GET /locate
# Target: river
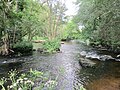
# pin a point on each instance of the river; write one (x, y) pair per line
(105, 75)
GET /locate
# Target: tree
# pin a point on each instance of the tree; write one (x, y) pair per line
(71, 30)
(55, 14)
(33, 18)
(101, 20)
(8, 24)
(28, 18)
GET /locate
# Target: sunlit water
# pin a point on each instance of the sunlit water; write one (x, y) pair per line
(65, 66)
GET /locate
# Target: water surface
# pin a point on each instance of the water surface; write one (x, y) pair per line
(65, 66)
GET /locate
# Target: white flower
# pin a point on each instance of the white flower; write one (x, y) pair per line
(11, 86)
(21, 81)
(17, 81)
(28, 81)
(51, 83)
(25, 78)
(8, 86)
(15, 84)
(32, 83)
(19, 88)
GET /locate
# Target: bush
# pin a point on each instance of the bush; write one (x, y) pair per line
(51, 46)
(23, 46)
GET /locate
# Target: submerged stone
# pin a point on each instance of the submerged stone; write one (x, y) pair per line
(83, 53)
(106, 57)
(86, 62)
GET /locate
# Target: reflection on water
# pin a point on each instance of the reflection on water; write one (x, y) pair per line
(66, 67)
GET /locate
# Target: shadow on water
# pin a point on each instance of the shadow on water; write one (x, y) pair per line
(66, 67)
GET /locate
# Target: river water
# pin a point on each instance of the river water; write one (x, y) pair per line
(105, 75)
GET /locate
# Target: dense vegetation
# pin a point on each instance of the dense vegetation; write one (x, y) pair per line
(27, 81)
(21, 20)
(101, 22)
(24, 22)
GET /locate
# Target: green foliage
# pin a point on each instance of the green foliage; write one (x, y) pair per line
(32, 19)
(2, 81)
(23, 46)
(71, 31)
(9, 25)
(29, 18)
(100, 19)
(82, 88)
(52, 46)
(27, 81)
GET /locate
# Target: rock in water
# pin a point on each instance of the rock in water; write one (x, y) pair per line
(86, 62)
(4, 62)
(118, 56)
(83, 53)
(106, 57)
(92, 55)
(41, 50)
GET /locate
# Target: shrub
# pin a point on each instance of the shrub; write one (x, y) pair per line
(51, 46)
(23, 46)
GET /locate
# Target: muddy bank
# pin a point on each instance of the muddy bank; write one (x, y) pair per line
(105, 83)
